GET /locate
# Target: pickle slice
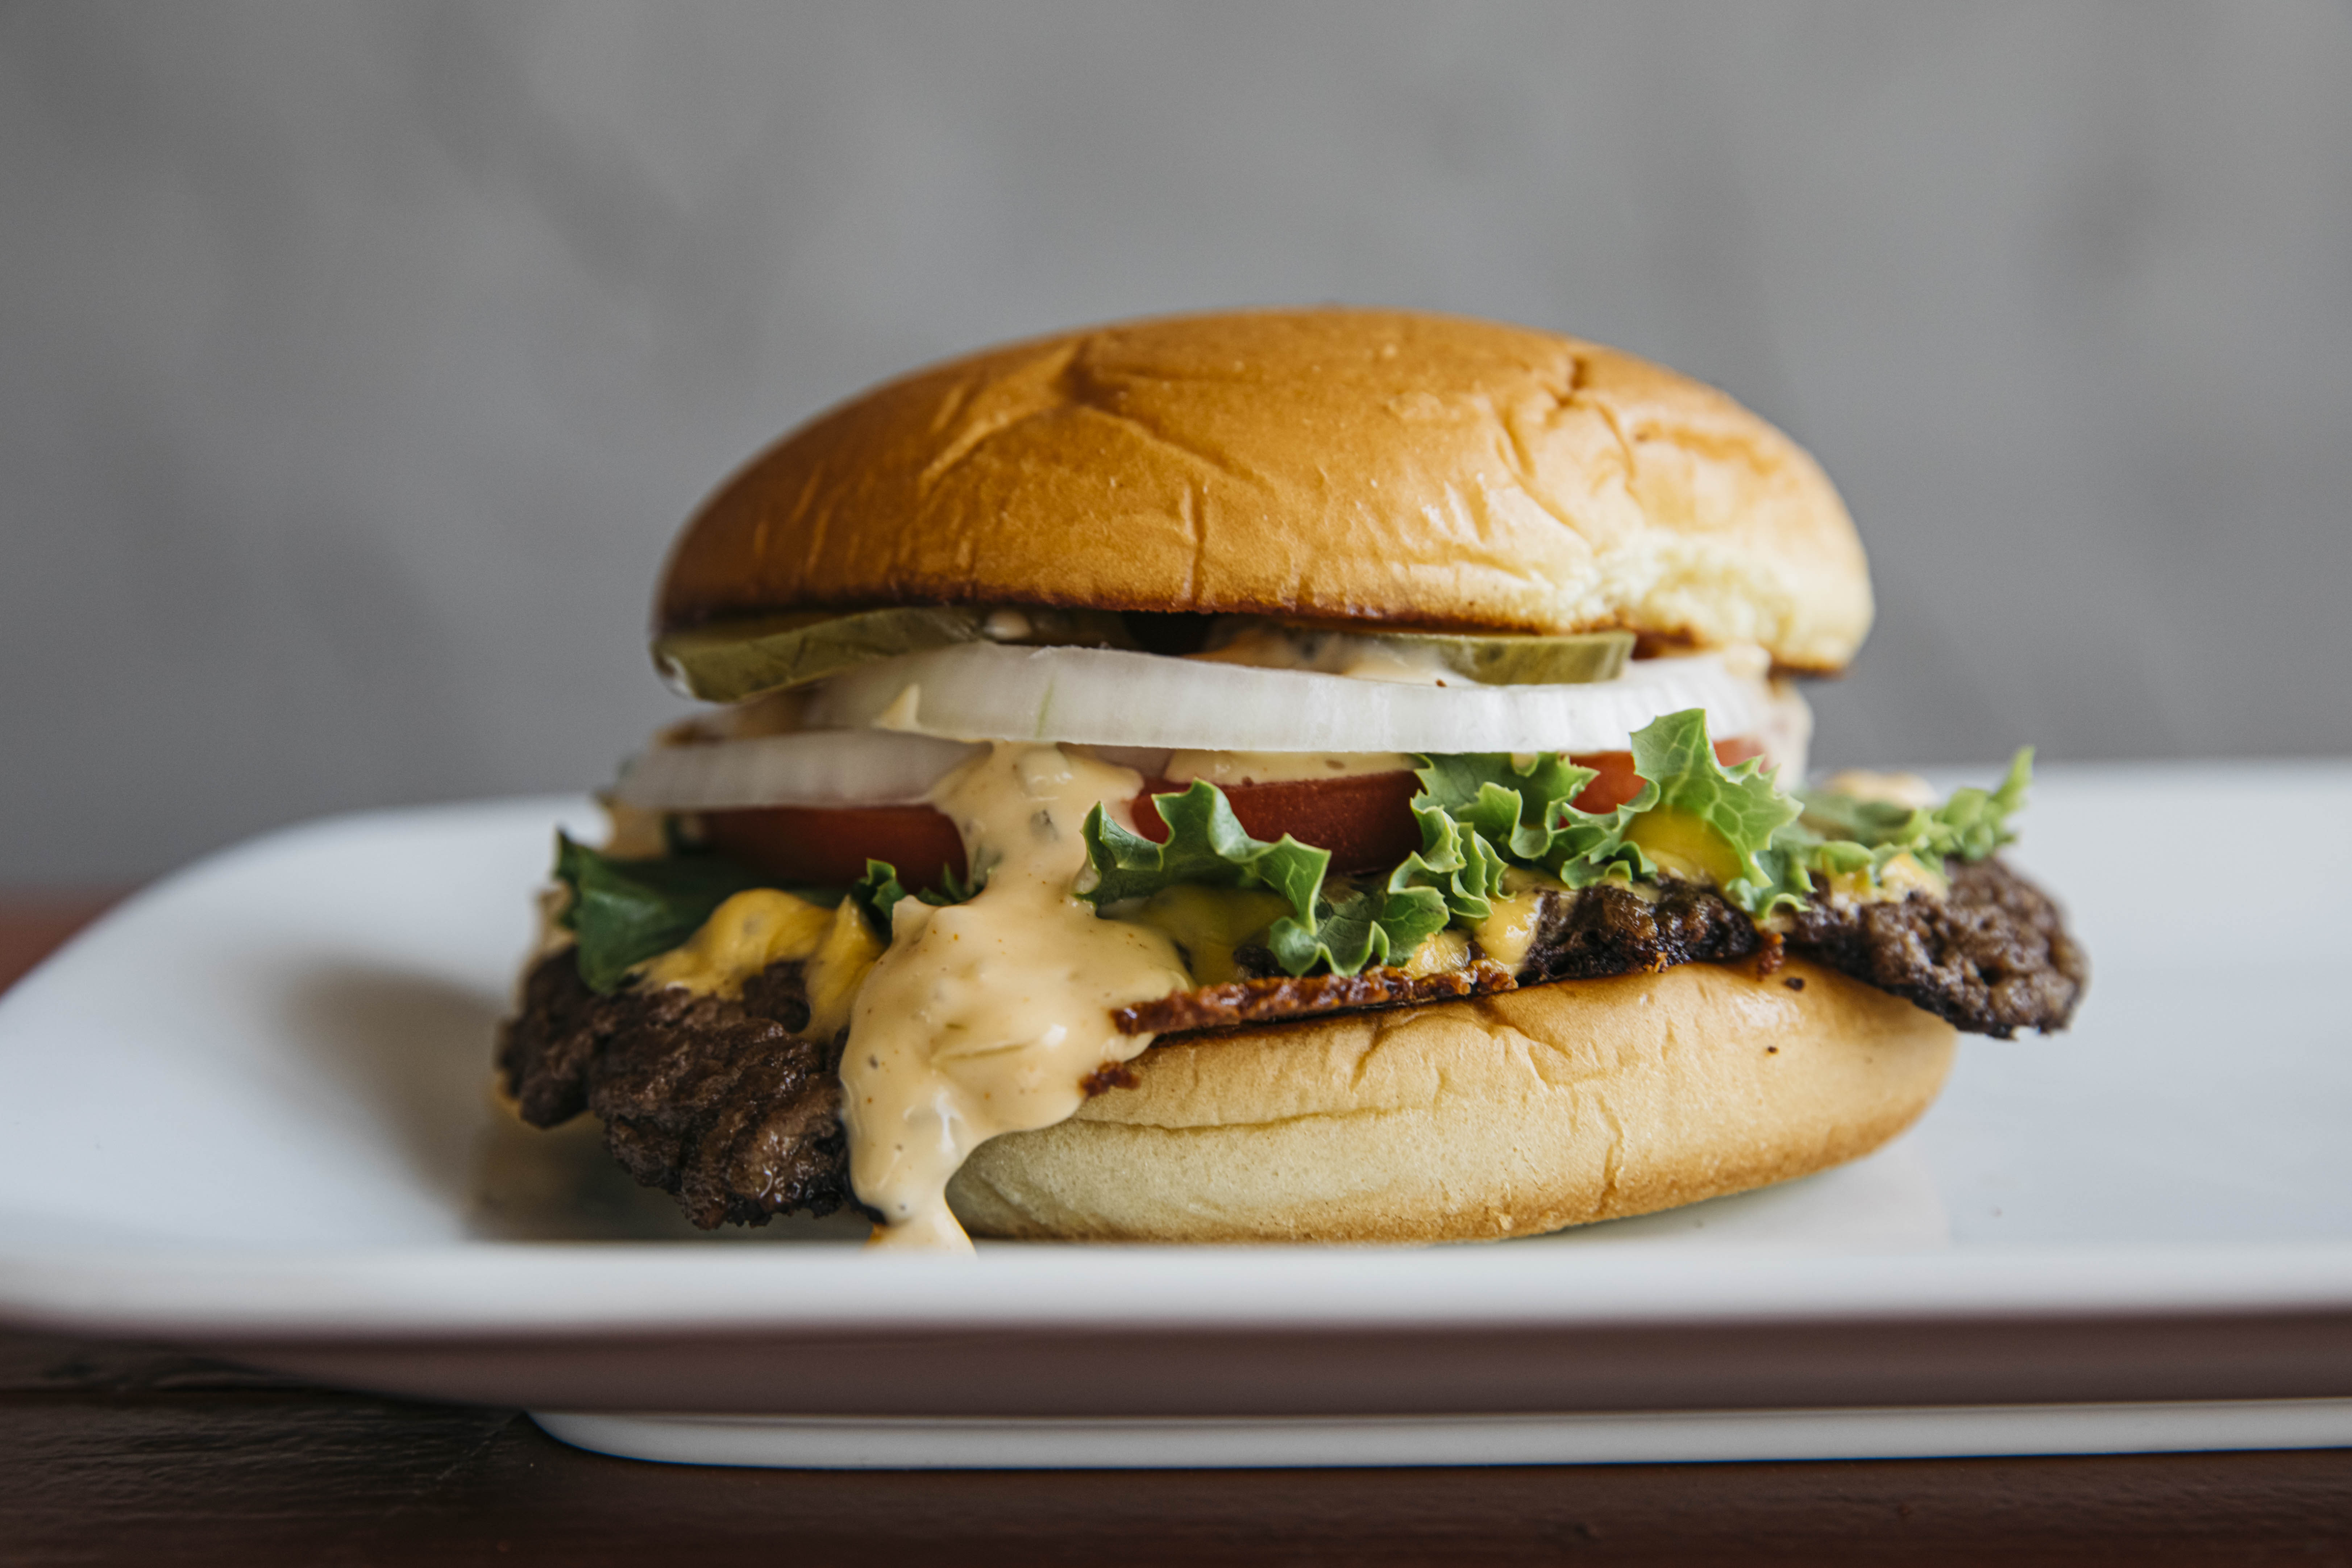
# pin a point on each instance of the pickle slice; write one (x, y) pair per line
(1515, 660)
(732, 660)
(1491, 658)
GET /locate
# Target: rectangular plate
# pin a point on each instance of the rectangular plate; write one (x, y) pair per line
(249, 1111)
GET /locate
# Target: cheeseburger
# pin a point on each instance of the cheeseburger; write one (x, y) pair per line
(1330, 775)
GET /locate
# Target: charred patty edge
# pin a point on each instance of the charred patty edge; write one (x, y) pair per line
(724, 1103)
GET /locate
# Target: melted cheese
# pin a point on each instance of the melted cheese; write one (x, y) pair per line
(1440, 953)
(1506, 935)
(1207, 923)
(755, 928)
(1684, 846)
(837, 968)
(1897, 879)
(984, 1017)
(742, 937)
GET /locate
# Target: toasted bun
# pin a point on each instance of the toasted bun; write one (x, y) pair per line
(1332, 464)
(1509, 1115)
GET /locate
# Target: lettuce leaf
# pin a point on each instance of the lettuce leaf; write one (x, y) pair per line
(1522, 813)
(1514, 807)
(1969, 826)
(626, 912)
(879, 891)
(1481, 814)
(1455, 863)
(1362, 926)
(1725, 819)
(1206, 844)
(1346, 928)
(1974, 823)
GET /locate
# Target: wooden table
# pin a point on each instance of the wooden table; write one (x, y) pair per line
(113, 1453)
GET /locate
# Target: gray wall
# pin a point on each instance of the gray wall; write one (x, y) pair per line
(356, 363)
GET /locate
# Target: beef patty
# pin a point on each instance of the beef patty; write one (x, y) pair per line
(720, 1102)
(724, 1103)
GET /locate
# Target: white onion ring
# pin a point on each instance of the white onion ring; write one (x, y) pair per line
(1104, 697)
(814, 767)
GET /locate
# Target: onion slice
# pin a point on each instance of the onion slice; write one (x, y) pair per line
(814, 767)
(1107, 697)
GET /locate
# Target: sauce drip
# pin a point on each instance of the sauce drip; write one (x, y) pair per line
(983, 1017)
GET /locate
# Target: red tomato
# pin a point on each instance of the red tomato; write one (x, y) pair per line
(827, 846)
(1364, 820)
(1619, 783)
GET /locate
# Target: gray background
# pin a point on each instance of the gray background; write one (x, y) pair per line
(357, 362)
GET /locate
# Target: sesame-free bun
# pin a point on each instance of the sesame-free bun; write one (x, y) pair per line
(1508, 1115)
(1327, 464)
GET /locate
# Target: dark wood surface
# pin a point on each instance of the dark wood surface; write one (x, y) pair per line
(113, 1453)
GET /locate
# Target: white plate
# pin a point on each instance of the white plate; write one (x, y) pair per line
(249, 1112)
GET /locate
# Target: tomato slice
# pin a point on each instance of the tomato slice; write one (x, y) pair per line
(1364, 820)
(1619, 783)
(827, 846)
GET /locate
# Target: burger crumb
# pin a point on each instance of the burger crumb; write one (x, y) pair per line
(1108, 1077)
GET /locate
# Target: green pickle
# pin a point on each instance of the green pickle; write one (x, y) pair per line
(732, 660)
(1523, 660)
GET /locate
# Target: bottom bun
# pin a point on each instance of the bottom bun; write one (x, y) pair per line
(1508, 1115)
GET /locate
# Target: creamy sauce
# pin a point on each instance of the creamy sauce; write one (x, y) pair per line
(1893, 789)
(985, 1017)
(1333, 652)
(633, 832)
(1279, 767)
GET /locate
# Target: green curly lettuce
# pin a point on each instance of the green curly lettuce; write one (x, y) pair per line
(623, 912)
(1969, 826)
(1344, 928)
(1694, 815)
(1515, 813)
(1207, 845)
(1359, 927)
(1482, 814)
(879, 891)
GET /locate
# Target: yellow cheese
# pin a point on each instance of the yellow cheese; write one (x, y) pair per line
(1208, 924)
(837, 968)
(1897, 879)
(1507, 934)
(1439, 953)
(743, 936)
(1683, 845)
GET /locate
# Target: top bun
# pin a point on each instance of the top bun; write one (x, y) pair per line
(1381, 466)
